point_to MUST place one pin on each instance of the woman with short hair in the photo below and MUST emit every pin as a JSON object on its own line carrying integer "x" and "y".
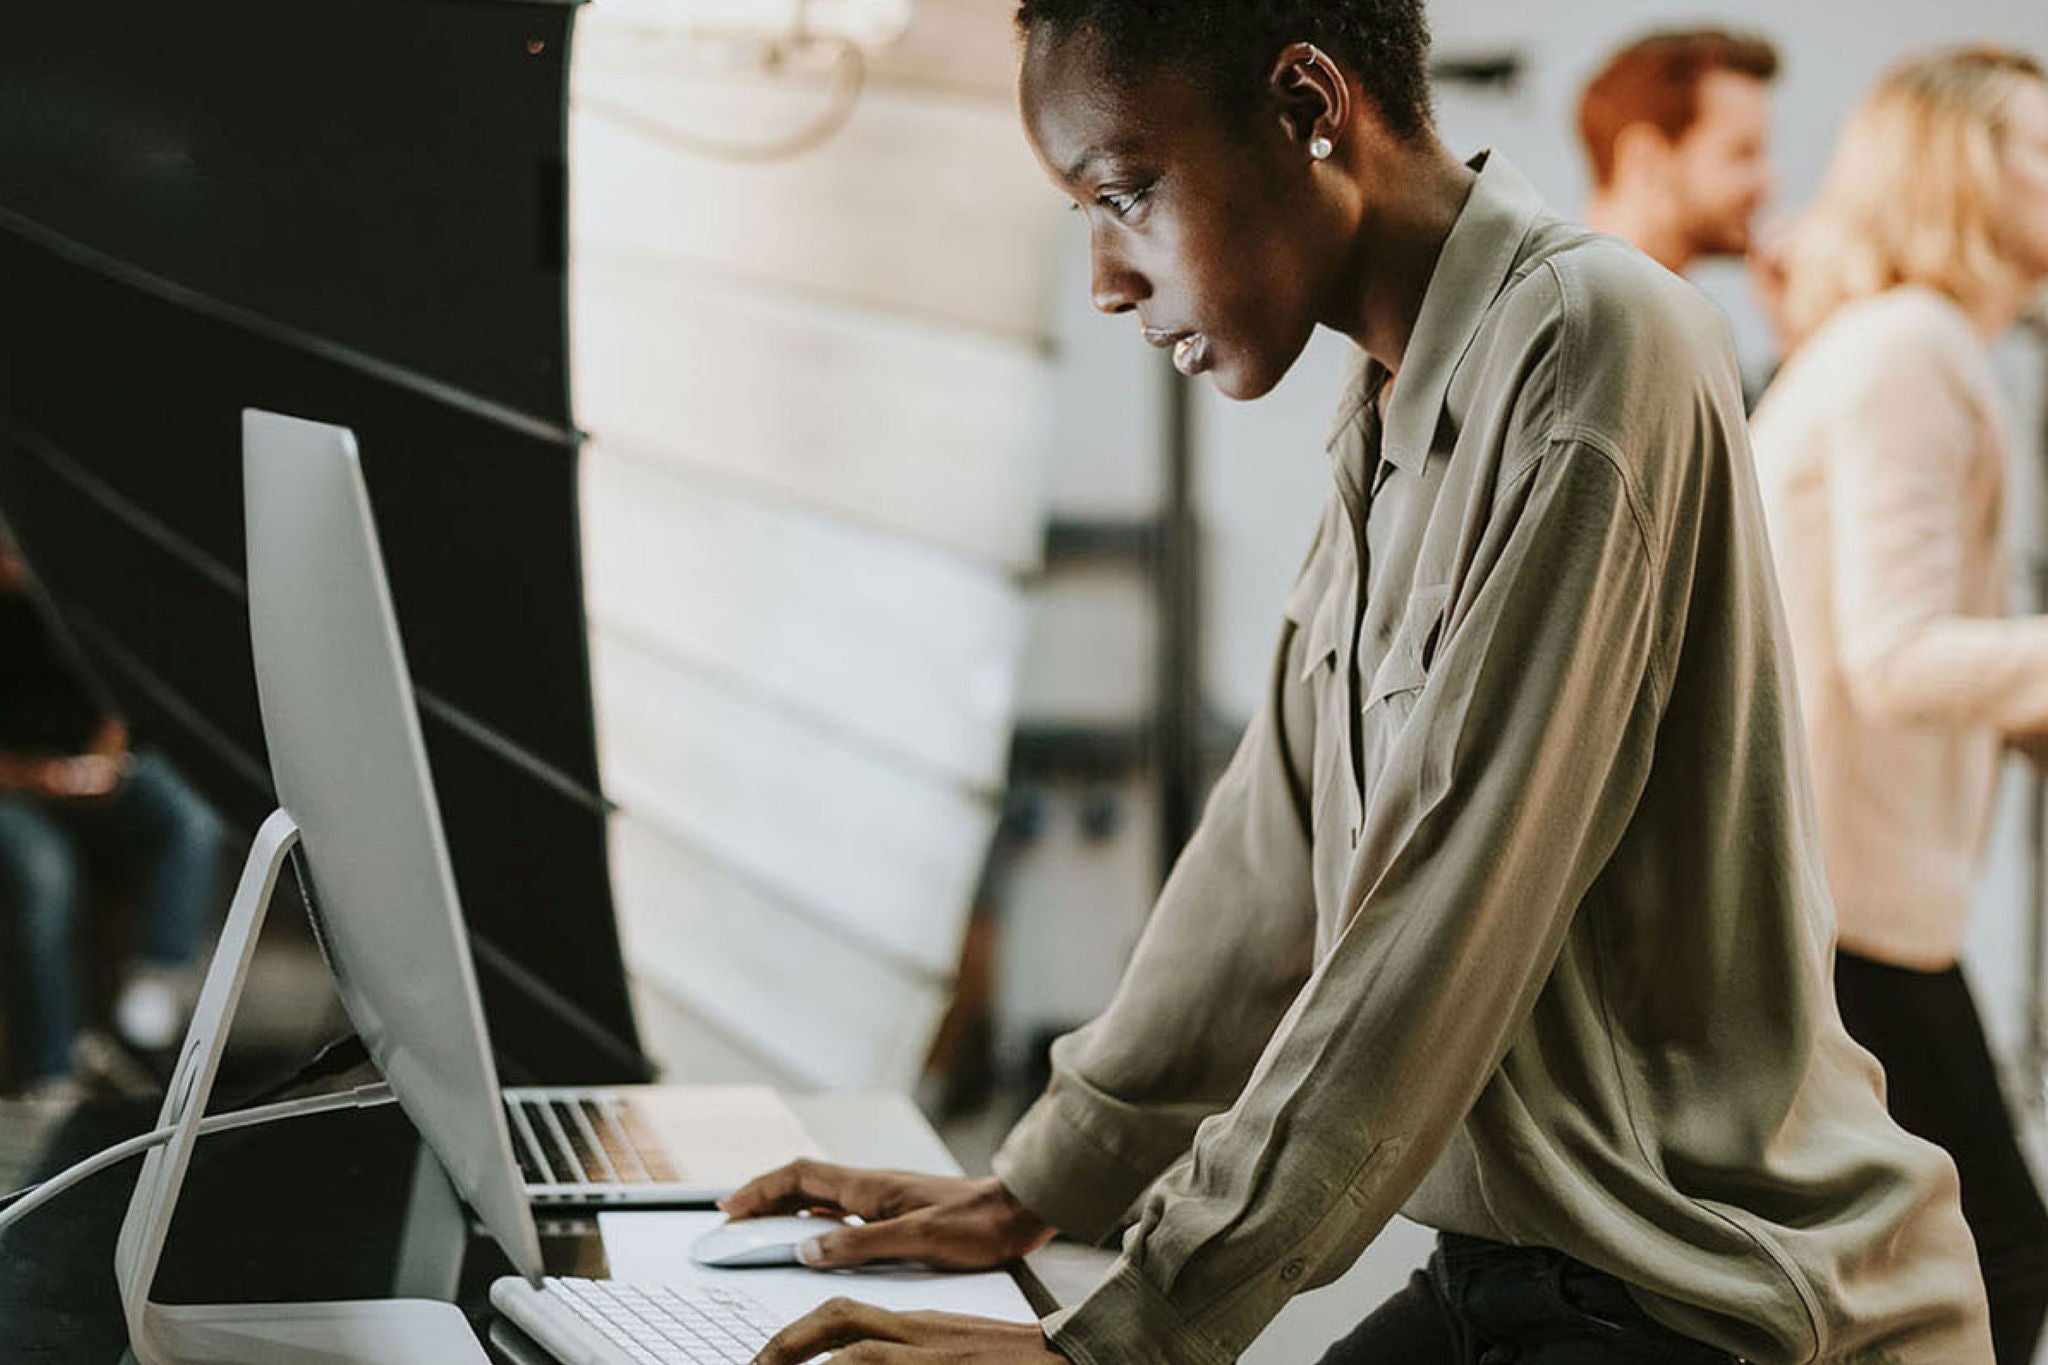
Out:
{"x": 1881, "y": 449}
{"x": 1508, "y": 913}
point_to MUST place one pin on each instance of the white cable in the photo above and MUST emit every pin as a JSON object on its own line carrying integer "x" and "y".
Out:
{"x": 847, "y": 78}
{"x": 41, "y": 1194}
{"x": 362, "y": 1097}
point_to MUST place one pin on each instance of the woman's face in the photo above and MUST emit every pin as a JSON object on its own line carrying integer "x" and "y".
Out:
{"x": 2023, "y": 212}
{"x": 1207, "y": 226}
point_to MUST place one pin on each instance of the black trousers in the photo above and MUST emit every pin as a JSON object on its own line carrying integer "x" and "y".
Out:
{"x": 1941, "y": 1084}
{"x": 1482, "y": 1303}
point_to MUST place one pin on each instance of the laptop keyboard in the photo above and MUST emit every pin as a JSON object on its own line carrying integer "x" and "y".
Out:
{"x": 585, "y": 1141}
{"x": 650, "y": 1325}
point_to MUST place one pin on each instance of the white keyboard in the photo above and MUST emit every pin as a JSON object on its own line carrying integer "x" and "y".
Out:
{"x": 609, "y": 1322}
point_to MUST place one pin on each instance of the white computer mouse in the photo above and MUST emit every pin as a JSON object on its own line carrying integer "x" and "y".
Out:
{"x": 758, "y": 1241}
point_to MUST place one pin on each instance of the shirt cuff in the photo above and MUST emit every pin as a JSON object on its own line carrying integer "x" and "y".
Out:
{"x": 1127, "y": 1319}
{"x": 1061, "y": 1168}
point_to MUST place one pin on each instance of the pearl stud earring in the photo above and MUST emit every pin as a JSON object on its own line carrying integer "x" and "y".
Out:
{"x": 1320, "y": 147}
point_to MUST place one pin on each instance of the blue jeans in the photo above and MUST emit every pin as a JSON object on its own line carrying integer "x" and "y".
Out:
{"x": 155, "y": 825}
{"x": 1482, "y": 1303}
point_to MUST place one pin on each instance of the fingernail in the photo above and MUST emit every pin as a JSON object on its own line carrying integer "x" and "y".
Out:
{"x": 812, "y": 1252}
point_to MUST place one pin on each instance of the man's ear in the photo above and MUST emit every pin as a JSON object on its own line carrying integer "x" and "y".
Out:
{"x": 1311, "y": 93}
{"x": 1641, "y": 153}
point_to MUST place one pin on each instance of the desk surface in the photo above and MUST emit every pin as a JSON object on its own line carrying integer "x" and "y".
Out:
{"x": 316, "y": 1209}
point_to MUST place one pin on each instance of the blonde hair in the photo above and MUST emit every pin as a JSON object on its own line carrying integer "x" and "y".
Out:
{"x": 1911, "y": 193}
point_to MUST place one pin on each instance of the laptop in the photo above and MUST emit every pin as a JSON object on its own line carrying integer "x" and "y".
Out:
{"x": 648, "y": 1145}
{"x": 352, "y": 777}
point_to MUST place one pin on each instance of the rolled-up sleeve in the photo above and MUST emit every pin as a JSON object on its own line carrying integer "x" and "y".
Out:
{"x": 1896, "y": 500}
{"x": 1506, "y": 790}
{"x": 1225, "y": 951}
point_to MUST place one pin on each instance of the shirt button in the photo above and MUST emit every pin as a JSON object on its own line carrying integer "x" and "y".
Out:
{"x": 1291, "y": 1272}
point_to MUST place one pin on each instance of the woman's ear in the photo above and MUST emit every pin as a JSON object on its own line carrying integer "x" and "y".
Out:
{"x": 1312, "y": 98}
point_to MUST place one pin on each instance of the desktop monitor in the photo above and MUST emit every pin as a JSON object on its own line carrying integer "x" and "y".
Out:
{"x": 358, "y": 805}
{"x": 351, "y": 770}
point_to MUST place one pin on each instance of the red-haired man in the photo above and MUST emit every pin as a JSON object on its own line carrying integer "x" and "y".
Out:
{"x": 1677, "y": 128}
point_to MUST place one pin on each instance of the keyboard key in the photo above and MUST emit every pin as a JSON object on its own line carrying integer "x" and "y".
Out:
{"x": 559, "y": 1154}
{"x": 588, "y": 1162}
{"x": 618, "y": 1145}
{"x": 531, "y": 1169}
{"x": 652, "y": 1154}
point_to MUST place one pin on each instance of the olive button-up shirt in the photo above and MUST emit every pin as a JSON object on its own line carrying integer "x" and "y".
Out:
{"x": 1508, "y": 913}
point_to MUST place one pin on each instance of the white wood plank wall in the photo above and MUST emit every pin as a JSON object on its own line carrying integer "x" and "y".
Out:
{"x": 815, "y": 391}
{"x": 887, "y": 642}
{"x": 917, "y": 429}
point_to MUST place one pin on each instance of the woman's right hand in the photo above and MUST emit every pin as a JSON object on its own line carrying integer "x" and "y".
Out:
{"x": 946, "y": 1222}
{"x": 2031, "y": 745}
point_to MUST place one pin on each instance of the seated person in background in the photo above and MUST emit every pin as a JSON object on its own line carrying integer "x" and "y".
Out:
{"x": 1509, "y": 912}
{"x": 71, "y": 796}
{"x": 1883, "y": 449}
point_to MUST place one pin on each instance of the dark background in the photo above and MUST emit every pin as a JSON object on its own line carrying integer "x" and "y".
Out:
{"x": 353, "y": 211}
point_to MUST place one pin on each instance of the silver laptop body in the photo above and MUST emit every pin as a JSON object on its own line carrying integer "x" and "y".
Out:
{"x": 648, "y": 1145}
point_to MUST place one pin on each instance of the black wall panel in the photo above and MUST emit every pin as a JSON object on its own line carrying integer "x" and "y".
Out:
{"x": 384, "y": 174}
{"x": 349, "y": 210}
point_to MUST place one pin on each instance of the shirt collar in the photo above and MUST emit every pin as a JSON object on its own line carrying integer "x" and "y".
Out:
{"x": 1475, "y": 262}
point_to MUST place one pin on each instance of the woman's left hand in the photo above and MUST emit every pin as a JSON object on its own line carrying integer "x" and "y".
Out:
{"x": 858, "y": 1334}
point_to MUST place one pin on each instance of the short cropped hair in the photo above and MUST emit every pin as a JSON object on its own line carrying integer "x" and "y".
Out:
{"x": 1656, "y": 80}
{"x": 1385, "y": 43}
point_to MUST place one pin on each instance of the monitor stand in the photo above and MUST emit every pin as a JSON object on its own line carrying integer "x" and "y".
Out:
{"x": 366, "y": 1332}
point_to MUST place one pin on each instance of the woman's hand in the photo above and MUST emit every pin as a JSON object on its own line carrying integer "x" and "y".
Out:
{"x": 1767, "y": 264}
{"x": 81, "y": 777}
{"x": 93, "y": 775}
{"x": 947, "y": 1222}
{"x": 2031, "y": 745}
{"x": 856, "y": 1334}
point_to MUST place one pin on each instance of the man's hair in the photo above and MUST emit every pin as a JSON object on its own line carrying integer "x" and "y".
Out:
{"x": 1385, "y": 43}
{"x": 1656, "y": 80}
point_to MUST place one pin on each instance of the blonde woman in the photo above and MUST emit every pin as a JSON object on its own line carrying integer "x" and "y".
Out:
{"x": 1881, "y": 448}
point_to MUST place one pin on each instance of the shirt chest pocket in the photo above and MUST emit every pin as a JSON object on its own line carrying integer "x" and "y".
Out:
{"x": 1383, "y": 705}
{"x": 1327, "y": 684}
{"x": 1405, "y": 666}
{"x": 1391, "y": 694}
